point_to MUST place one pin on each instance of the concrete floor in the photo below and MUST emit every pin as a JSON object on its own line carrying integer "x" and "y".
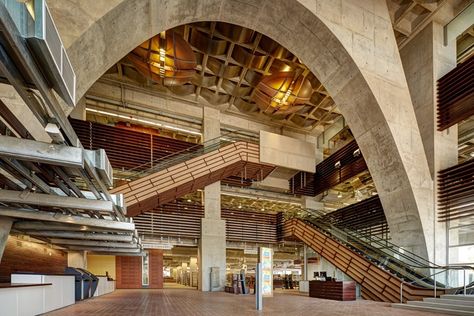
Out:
{"x": 192, "y": 302}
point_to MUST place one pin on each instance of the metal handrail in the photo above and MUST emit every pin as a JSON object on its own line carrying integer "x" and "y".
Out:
{"x": 415, "y": 275}
{"x": 404, "y": 269}
{"x": 433, "y": 276}
{"x": 416, "y": 265}
{"x": 187, "y": 153}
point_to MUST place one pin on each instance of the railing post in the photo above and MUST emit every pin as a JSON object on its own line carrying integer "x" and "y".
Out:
{"x": 434, "y": 279}
{"x": 464, "y": 281}
{"x": 401, "y": 292}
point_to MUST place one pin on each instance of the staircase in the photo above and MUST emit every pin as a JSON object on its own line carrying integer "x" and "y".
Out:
{"x": 184, "y": 172}
{"x": 379, "y": 280}
{"x": 446, "y": 304}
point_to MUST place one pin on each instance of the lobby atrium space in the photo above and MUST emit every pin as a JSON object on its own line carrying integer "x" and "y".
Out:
{"x": 227, "y": 157}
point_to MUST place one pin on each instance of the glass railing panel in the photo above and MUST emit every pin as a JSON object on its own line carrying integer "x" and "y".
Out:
{"x": 185, "y": 155}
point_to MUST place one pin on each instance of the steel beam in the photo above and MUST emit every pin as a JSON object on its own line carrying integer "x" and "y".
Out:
{"x": 80, "y": 235}
{"x": 18, "y": 47}
{"x": 93, "y": 243}
{"x": 31, "y": 150}
{"x": 48, "y": 200}
{"x": 112, "y": 253}
{"x": 104, "y": 249}
{"x": 51, "y": 226}
{"x": 69, "y": 219}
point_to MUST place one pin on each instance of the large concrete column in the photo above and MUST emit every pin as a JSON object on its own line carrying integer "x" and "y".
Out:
{"x": 5, "y": 226}
{"x": 426, "y": 59}
{"x": 212, "y": 245}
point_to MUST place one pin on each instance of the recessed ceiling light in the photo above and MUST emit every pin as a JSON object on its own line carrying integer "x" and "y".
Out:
{"x": 189, "y": 200}
{"x": 471, "y": 154}
{"x": 339, "y": 195}
{"x": 240, "y": 206}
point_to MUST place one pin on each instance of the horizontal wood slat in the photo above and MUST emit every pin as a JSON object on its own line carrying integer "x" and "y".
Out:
{"x": 327, "y": 175}
{"x": 456, "y": 95}
{"x": 456, "y": 192}
{"x": 377, "y": 284}
{"x": 183, "y": 219}
{"x": 365, "y": 217}
{"x": 186, "y": 177}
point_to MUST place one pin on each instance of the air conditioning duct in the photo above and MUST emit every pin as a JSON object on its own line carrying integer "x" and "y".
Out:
{"x": 45, "y": 42}
{"x": 98, "y": 158}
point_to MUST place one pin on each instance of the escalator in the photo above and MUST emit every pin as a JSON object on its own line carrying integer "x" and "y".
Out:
{"x": 402, "y": 263}
{"x": 193, "y": 168}
{"x": 376, "y": 265}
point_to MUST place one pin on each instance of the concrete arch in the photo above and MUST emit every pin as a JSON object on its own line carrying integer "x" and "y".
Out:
{"x": 349, "y": 45}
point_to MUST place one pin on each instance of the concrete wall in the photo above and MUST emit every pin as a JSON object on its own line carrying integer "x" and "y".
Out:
{"x": 349, "y": 45}
{"x": 284, "y": 151}
{"x": 77, "y": 259}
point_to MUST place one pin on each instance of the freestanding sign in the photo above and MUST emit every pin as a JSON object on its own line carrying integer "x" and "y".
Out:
{"x": 266, "y": 259}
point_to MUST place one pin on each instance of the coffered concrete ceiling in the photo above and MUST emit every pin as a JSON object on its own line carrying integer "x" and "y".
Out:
{"x": 231, "y": 61}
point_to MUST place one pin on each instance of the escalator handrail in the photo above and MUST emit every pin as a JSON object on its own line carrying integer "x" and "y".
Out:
{"x": 367, "y": 246}
{"x": 415, "y": 280}
{"x": 213, "y": 144}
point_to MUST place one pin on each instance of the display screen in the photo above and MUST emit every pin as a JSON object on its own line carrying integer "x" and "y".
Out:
{"x": 266, "y": 258}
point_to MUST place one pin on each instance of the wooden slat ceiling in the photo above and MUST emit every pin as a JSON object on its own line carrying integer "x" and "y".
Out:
{"x": 231, "y": 60}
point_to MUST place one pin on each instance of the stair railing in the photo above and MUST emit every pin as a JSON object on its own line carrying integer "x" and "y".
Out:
{"x": 464, "y": 287}
{"x": 186, "y": 154}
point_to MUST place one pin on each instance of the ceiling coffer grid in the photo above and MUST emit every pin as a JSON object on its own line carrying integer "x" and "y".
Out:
{"x": 231, "y": 61}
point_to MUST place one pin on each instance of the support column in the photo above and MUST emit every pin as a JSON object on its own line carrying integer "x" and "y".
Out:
{"x": 5, "y": 226}
{"x": 193, "y": 269}
{"x": 426, "y": 59}
{"x": 212, "y": 244}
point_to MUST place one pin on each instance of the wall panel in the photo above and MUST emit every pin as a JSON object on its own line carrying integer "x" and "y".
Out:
{"x": 25, "y": 256}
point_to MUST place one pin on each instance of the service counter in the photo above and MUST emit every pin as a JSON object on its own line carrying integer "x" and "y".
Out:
{"x": 44, "y": 292}
{"x": 333, "y": 290}
{"x": 22, "y": 299}
{"x": 105, "y": 286}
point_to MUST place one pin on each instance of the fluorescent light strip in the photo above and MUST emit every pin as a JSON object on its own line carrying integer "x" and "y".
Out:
{"x": 134, "y": 119}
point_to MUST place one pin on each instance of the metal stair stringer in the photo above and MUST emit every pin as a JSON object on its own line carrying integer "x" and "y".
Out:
{"x": 377, "y": 283}
{"x": 234, "y": 159}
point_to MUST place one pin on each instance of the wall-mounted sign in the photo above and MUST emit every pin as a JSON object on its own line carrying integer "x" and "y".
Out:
{"x": 266, "y": 258}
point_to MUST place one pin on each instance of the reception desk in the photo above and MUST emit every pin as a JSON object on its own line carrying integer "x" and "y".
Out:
{"x": 105, "y": 286}
{"x": 57, "y": 292}
{"x": 333, "y": 290}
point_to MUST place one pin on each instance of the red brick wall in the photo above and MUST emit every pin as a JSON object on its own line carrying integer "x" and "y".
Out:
{"x": 129, "y": 271}
{"x": 25, "y": 256}
{"x": 156, "y": 269}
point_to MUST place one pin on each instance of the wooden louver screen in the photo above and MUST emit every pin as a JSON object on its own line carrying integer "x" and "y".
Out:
{"x": 350, "y": 162}
{"x": 456, "y": 95}
{"x": 183, "y": 219}
{"x": 456, "y": 192}
{"x": 365, "y": 217}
